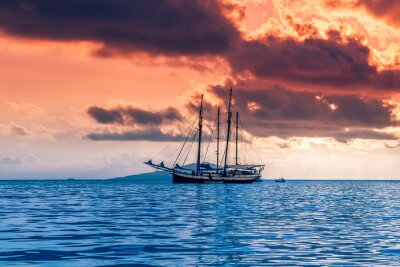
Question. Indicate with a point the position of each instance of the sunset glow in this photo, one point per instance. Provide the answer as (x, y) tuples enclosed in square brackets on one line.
[(92, 90)]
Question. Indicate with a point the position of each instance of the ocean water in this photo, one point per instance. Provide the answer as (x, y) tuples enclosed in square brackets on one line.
[(125, 223)]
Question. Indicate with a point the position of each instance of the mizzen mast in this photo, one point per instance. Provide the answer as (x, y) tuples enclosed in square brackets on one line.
[(237, 137), (228, 134), (200, 135), (218, 123)]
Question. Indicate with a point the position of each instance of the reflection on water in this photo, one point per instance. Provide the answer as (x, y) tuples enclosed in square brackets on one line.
[(104, 223)]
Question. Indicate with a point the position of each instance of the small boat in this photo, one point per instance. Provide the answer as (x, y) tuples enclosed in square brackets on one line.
[(280, 180), (219, 172)]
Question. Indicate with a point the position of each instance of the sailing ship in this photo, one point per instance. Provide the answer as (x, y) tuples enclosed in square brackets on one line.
[(213, 173)]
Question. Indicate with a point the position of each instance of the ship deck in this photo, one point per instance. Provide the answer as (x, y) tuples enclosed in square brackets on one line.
[(179, 177)]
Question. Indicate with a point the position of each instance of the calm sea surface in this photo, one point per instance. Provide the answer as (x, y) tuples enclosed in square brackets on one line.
[(123, 223)]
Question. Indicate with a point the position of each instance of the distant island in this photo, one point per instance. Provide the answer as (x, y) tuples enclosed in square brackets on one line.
[(152, 176), (149, 176)]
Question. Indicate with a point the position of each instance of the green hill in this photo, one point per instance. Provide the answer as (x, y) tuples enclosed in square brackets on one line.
[(149, 176)]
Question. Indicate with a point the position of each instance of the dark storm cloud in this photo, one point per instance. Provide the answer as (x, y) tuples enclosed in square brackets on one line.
[(276, 111), (388, 9), (287, 129), (122, 26), (363, 134), (199, 28), (264, 112), (149, 121), (277, 103), (102, 115), (132, 115), (143, 135), (141, 116), (355, 110), (313, 61)]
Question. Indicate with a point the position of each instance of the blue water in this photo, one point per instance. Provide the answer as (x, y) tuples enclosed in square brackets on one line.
[(122, 223)]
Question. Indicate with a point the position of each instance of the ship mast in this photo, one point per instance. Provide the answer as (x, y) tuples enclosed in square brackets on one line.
[(200, 132), (228, 134), (218, 123), (237, 138)]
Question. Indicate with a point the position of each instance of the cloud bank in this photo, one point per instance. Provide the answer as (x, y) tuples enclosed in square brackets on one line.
[(140, 135), (323, 84), (122, 26), (276, 111), (205, 28), (133, 116)]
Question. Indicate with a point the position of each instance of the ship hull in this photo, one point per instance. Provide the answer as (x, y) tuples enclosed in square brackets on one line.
[(179, 178)]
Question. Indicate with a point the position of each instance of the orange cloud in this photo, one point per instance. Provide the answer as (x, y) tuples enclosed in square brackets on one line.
[(25, 109)]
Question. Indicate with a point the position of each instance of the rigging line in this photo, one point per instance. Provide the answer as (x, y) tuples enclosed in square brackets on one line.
[(187, 137), (194, 138), (256, 154), (255, 151), (159, 152), (222, 158), (186, 151), (244, 145), (162, 150), (248, 155), (241, 144), (232, 143), (177, 148), (209, 141), (224, 154)]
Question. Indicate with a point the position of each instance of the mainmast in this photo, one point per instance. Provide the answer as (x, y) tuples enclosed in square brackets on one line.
[(218, 123), (228, 134), (237, 138), (200, 132)]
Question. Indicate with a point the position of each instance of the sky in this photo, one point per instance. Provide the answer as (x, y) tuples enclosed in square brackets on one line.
[(92, 89)]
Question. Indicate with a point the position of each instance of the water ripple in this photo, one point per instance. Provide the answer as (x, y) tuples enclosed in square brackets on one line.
[(104, 223)]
